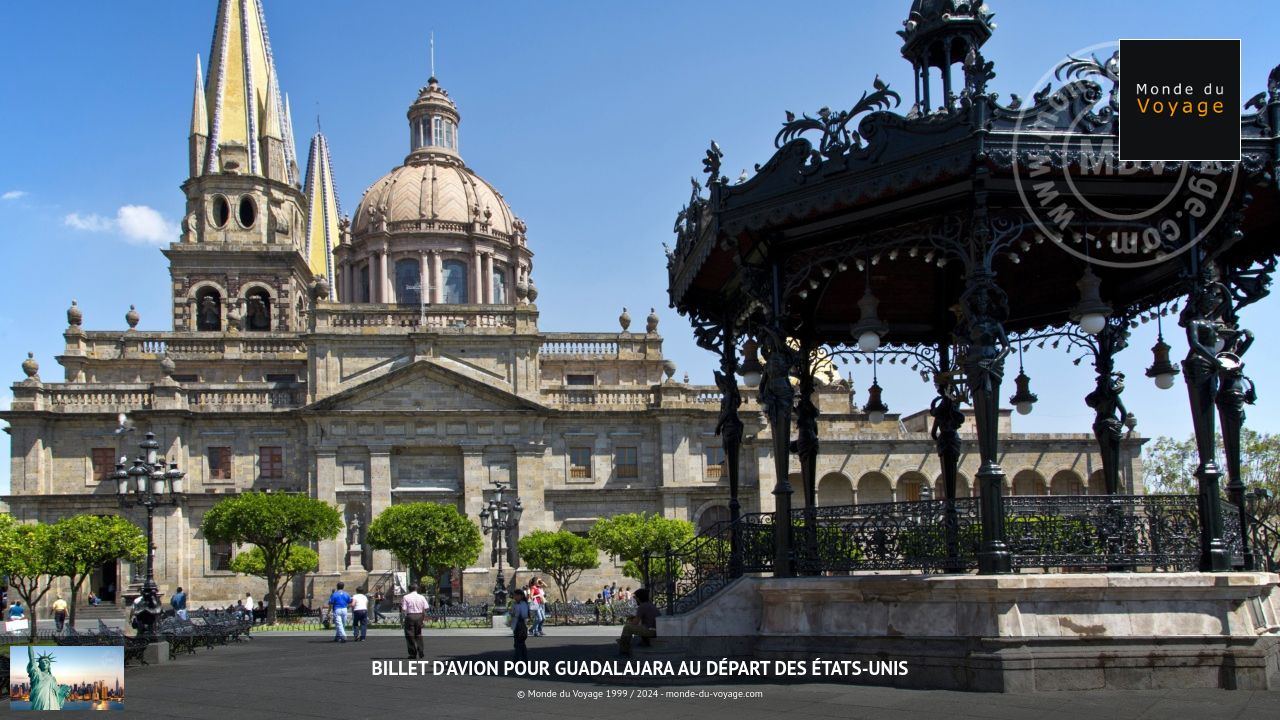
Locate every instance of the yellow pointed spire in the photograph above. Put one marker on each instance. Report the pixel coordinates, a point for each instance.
(290, 147)
(322, 211)
(199, 118)
(242, 95)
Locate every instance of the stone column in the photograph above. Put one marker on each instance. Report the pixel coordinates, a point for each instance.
(477, 292)
(424, 278)
(389, 276)
(437, 273)
(487, 277)
(384, 286)
(477, 581)
(379, 497)
(332, 551)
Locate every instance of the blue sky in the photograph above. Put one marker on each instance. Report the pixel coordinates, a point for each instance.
(588, 117)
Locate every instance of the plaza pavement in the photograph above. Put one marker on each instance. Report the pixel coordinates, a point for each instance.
(306, 675)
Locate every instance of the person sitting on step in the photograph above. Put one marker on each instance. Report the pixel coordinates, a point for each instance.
(643, 624)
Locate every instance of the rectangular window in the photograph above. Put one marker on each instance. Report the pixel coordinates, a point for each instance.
(579, 379)
(715, 462)
(271, 462)
(625, 461)
(910, 492)
(219, 463)
(281, 377)
(104, 463)
(580, 462)
(220, 557)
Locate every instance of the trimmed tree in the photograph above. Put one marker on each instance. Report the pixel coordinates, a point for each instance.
(562, 555)
(85, 542)
(275, 523)
(629, 537)
(28, 556)
(426, 537)
(299, 560)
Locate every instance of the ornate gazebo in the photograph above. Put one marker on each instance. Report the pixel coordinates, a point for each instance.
(953, 236)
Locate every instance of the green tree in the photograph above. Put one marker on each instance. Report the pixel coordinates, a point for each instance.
(28, 557)
(276, 523)
(1170, 465)
(84, 542)
(631, 536)
(426, 537)
(299, 560)
(562, 555)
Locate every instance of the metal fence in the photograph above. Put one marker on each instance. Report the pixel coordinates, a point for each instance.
(1093, 533)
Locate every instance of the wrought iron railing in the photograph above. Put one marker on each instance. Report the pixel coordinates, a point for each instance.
(1083, 532)
(1077, 533)
(1264, 543)
(918, 535)
(686, 576)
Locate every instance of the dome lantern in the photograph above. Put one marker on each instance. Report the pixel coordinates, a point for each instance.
(433, 122)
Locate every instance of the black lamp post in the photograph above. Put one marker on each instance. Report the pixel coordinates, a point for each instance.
(499, 518)
(149, 484)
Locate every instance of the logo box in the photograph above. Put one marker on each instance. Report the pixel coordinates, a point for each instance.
(1180, 100)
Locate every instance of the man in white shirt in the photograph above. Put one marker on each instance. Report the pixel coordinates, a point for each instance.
(246, 607)
(413, 610)
(359, 615)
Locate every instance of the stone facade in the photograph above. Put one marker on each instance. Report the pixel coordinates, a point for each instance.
(402, 361)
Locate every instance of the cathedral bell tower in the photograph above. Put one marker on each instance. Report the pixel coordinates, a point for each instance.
(241, 263)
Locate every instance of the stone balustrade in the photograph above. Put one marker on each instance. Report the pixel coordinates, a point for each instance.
(375, 317)
(581, 348)
(125, 398)
(106, 345)
(701, 397)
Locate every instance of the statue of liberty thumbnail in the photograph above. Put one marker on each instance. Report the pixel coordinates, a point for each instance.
(46, 693)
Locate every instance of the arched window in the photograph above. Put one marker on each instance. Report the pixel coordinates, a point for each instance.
(1066, 482)
(257, 314)
(362, 282)
(450, 139)
(874, 488)
(499, 285)
(712, 516)
(454, 278)
(208, 310)
(1029, 482)
(408, 282)
(835, 489)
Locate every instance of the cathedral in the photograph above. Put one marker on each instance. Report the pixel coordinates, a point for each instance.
(394, 356)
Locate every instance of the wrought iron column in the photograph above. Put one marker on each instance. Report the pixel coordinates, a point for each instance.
(1200, 369)
(1109, 412)
(1234, 391)
(985, 305)
(777, 396)
(729, 428)
(947, 419)
(806, 449)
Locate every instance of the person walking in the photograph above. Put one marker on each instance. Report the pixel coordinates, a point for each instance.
(59, 613)
(179, 603)
(518, 616)
(360, 615)
(246, 607)
(413, 608)
(378, 599)
(537, 605)
(339, 601)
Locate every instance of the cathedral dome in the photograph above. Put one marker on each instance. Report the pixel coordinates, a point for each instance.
(431, 230)
(433, 193)
(434, 190)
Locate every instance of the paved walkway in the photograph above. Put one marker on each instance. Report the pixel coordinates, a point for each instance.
(310, 677)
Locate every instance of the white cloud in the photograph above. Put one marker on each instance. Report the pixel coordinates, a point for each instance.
(91, 223)
(145, 225)
(137, 224)
(13, 195)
